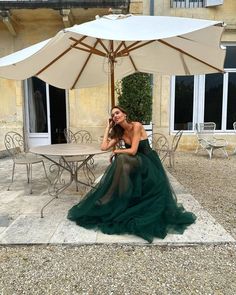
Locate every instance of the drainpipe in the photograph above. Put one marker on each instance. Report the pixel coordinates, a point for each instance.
(151, 7)
(151, 12)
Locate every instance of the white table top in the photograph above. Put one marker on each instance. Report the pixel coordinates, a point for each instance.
(68, 149)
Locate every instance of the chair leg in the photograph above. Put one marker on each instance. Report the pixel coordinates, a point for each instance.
(30, 178)
(170, 160)
(225, 152)
(28, 172)
(45, 171)
(196, 151)
(12, 176)
(76, 176)
(210, 152)
(173, 160)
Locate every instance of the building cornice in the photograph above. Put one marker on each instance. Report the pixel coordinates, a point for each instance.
(63, 4)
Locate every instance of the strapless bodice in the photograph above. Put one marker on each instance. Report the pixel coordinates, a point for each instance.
(143, 146)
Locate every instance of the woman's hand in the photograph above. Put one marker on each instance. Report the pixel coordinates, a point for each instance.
(108, 143)
(112, 157)
(110, 123)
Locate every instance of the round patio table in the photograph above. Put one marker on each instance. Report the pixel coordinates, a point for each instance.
(71, 157)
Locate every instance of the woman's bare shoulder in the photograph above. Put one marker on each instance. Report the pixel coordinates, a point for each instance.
(137, 124)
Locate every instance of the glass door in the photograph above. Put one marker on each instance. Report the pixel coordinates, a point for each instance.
(45, 109)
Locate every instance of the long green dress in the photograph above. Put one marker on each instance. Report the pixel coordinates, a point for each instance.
(134, 196)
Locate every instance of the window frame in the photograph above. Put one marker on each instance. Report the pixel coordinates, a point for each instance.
(199, 100)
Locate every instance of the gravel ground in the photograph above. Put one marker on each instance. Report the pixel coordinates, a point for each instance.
(212, 183)
(117, 269)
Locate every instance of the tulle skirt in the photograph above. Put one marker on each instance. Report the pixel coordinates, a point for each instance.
(134, 196)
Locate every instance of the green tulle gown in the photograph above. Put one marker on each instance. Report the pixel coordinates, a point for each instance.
(134, 196)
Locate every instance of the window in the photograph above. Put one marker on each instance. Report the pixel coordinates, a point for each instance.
(206, 98)
(230, 59)
(183, 112)
(194, 3)
(186, 3)
(231, 105)
(213, 2)
(37, 106)
(213, 99)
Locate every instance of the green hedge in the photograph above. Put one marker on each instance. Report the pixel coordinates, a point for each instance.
(135, 96)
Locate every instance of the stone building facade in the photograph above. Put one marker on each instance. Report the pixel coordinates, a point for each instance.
(205, 97)
(23, 23)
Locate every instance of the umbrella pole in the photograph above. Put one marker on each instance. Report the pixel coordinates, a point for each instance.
(112, 85)
(112, 62)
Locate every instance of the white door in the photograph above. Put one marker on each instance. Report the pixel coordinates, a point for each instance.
(43, 102)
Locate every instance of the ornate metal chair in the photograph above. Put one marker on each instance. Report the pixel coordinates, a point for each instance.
(207, 141)
(173, 147)
(81, 136)
(160, 144)
(165, 150)
(14, 144)
(69, 135)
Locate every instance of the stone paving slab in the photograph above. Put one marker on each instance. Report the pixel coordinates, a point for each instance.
(20, 221)
(54, 228)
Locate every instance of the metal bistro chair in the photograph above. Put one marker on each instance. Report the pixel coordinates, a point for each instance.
(160, 144)
(81, 136)
(14, 144)
(207, 141)
(173, 147)
(165, 150)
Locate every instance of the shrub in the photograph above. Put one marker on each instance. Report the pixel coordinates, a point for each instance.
(135, 96)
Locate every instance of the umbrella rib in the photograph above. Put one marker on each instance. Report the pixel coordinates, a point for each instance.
(118, 47)
(94, 51)
(87, 60)
(131, 59)
(58, 57)
(90, 48)
(133, 47)
(190, 55)
(124, 51)
(103, 45)
(52, 62)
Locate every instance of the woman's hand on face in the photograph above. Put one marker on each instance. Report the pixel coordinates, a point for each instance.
(110, 123)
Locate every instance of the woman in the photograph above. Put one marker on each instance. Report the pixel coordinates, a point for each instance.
(134, 195)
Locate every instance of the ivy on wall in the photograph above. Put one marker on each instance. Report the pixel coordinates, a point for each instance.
(135, 96)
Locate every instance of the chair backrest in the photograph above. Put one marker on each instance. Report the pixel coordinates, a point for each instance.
(234, 125)
(205, 130)
(83, 136)
(160, 144)
(14, 143)
(69, 135)
(176, 139)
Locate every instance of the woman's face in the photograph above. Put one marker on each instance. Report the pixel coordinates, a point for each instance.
(117, 116)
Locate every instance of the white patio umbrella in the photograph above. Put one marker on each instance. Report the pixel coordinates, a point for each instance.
(115, 46)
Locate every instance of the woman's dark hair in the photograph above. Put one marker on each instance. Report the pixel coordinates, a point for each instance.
(117, 131)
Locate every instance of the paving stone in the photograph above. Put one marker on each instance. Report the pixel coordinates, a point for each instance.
(70, 233)
(20, 221)
(5, 220)
(30, 229)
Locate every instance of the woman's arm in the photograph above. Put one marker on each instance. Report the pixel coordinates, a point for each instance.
(134, 144)
(106, 143)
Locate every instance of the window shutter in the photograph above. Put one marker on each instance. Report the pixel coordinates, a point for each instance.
(213, 2)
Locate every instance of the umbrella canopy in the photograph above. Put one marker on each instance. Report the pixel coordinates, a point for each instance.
(115, 46)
